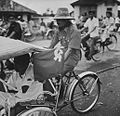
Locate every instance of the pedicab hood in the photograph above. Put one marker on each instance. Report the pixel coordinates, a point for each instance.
(10, 48)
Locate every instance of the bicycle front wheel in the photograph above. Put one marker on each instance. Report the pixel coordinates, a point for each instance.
(113, 42)
(38, 111)
(84, 101)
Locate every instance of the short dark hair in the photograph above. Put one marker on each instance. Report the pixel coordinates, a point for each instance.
(91, 12)
(108, 12)
(11, 17)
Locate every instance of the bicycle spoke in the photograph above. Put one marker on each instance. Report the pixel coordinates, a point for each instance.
(93, 86)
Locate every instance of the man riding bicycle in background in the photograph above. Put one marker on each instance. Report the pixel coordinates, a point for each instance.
(108, 25)
(109, 21)
(92, 25)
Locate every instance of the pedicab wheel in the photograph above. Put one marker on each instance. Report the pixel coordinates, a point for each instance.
(97, 56)
(38, 111)
(113, 42)
(83, 102)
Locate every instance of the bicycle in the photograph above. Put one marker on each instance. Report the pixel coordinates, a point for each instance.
(101, 42)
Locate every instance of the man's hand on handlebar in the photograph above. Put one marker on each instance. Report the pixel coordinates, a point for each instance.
(84, 35)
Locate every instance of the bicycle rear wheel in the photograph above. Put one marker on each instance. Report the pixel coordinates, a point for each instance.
(84, 101)
(97, 56)
(113, 42)
(38, 111)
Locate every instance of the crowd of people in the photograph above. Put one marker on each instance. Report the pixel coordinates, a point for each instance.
(28, 29)
(103, 21)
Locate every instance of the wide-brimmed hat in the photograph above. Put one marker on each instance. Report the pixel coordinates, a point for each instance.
(62, 13)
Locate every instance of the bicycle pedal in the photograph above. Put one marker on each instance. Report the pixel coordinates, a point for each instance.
(85, 93)
(62, 104)
(88, 58)
(41, 100)
(95, 52)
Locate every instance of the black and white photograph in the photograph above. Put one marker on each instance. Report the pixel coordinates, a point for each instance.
(59, 57)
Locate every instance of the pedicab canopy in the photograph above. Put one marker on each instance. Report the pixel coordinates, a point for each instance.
(10, 48)
(49, 61)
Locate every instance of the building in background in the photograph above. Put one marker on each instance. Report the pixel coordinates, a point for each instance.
(10, 7)
(99, 6)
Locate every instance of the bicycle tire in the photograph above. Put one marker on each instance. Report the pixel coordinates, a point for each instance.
(110, 47)
(77, 105)
(97, 56)
(38, 111)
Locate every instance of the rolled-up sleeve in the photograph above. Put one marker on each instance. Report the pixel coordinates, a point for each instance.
(86, 23)
(75, 40)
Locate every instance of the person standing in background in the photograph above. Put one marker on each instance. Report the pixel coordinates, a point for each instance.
(42, 28)
(20, 62)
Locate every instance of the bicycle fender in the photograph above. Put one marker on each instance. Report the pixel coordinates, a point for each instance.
(87, 73)
(80, 76)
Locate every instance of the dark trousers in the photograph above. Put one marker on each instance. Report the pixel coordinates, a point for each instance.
(91, 45)
(21, 63)
(117, 26)
(84, 41)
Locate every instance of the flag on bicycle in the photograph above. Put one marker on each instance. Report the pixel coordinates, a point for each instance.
(48, 64)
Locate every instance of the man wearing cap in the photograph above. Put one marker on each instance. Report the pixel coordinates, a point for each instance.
(69, 38)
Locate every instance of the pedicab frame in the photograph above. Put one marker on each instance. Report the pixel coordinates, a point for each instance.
(10, 48)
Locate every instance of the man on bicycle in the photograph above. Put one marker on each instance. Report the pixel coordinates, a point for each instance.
(92, 25)
(69, 38)
(109, 21)
(108, 25)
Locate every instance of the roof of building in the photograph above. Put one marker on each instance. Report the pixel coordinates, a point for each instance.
(22, 8)
(13, 6)
(85, 2)
(90, 2)
(115, 1)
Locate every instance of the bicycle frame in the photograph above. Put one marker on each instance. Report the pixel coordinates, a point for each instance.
(69, 86)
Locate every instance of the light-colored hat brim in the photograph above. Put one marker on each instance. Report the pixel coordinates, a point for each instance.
(68, 17)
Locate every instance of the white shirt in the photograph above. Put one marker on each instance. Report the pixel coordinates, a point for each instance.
(109, 21)
(117, 20)
(91, 24)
